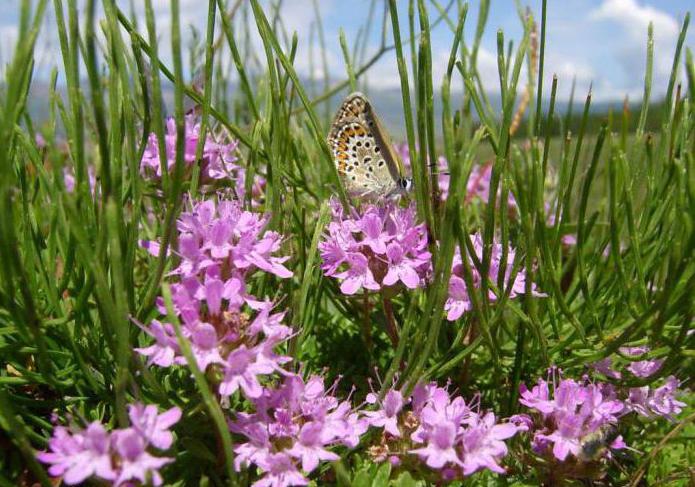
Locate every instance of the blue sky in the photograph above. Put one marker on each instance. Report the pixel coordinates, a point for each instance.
(597, 41)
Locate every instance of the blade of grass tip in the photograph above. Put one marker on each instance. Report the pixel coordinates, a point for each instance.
(541, 62)
(157, 101)
(581, 225)
(211, 404)
(668, 99)
(690, 72)
(433, 188)
(207, 93)
(324, 61)
(502, 157)
(18, 435)
(12, 266)
(501, 66)
(348, 64)
(276, 127)
(96, 90)
(570, 108)
(267, 36)
(422, 205)
(639, 132)
(68, 50)
(575, 161)
(227, 28)
(434, 306)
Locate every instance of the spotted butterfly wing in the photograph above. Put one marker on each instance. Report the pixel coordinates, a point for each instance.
(361, 151)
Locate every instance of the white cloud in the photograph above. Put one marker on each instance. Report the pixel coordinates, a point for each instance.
(635, 18)
(632, 21)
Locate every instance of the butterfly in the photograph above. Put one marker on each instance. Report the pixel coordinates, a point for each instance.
(363, 154)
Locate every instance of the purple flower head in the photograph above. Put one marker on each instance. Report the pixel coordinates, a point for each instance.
(440, 447)
(217, 162)
(293, 427)
(459, 301)
(135, 462)
(119, 456)
(387, 416)
(381, 248)
(483, 443)
(442, 431)
(154, 426)
(220, 245)
(645, 368)
(569, 412)
(80, 455)
(656, 402)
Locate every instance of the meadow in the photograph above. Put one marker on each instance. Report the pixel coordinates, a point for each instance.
(190, 296)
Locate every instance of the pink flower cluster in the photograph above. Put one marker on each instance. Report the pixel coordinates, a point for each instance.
(292, 427)
(647, 401)
(121, 456)
(218, 159)
(442, 431)
(219, 246)
(459, 300)
(569, 414)
(379, 248)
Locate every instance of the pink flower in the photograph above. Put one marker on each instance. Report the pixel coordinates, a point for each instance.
(570, 412)
(445, 433)
(296, 422)
(483, 444)
(657, 402)
(152, 426)
(135, 462)
(120, 456)
(645, 368)
(378, 249)
(459, 300)
(440, 448)
(78, 456)
(387, 416)
(309, 447)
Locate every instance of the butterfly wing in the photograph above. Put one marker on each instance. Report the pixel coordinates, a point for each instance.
(359, 159)
(384, 143)
(361, 149)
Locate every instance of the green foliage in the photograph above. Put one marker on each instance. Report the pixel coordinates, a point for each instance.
(73, 280)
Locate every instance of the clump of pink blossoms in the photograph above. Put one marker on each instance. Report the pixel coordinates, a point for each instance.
(120, 457)
(441, 431)
(570, 415)
(218, 161)
(459, 300)
(376, 249)
(292, 428)
(647, 401)
(220, 246)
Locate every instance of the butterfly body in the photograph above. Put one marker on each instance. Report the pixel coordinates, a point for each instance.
(363, 153)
